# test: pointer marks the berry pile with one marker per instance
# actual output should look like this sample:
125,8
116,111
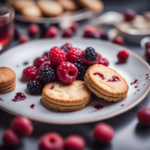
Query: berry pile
65,64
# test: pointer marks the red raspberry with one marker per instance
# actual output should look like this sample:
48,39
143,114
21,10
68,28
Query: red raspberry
118,40
29,73
129,15
67,72
74,26
52,32
66,47
147,45
38,61
88,30
23,39
103,61
46,63
123,56
56,56
67,33
10,138
37,78
33,30
74,54
147,53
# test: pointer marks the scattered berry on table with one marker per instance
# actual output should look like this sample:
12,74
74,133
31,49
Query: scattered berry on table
66,47
73,54
46,63
147,45
143,115
67,33
93,36
10,138
103,35
118,40
67,72
56,56
123,56
38,61
74,142
89,56
81,69
147,53
33,30
51,141
23,39
43,29
35,87
47,74
52,32
103,61
17,33
22,126
74,26
129,14
103,133
29,73
88,30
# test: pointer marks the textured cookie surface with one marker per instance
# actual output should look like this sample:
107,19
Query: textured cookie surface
9,89
50,8
7,76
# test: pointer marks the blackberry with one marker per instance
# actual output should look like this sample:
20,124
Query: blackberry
81,69
90,54
35,87
47,74
104,37
65,48
93,36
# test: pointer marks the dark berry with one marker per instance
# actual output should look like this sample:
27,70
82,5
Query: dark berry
93,36
56,56
90,54
123,56
52,32
118,40
35,87
81,69
17,33
47,74
66,47
67,33
23,39
103,61
74,26
88,30
67,72
29,73
147,53
33,30
46,63
103,35
43,29
129,15
147,45
73,54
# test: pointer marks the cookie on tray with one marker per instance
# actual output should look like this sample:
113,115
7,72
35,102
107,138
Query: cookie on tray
60,97
95,5
7,80
106,83
50,8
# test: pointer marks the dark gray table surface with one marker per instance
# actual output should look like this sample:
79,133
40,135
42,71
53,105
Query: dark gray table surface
129,134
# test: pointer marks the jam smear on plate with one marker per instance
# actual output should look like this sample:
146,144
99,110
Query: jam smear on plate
1,99
98,107
32,106
19,97
136,80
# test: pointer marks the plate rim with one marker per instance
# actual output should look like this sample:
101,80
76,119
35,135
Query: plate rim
91,120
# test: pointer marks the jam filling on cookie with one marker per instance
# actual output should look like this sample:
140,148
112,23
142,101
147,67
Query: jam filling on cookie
52,87
113,79
19,97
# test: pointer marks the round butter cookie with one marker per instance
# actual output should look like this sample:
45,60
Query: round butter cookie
106,83
60,97
95,5
50,7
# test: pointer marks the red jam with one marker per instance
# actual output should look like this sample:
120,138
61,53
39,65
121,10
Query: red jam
52,87
114,79
136,80
1,99
147,74
32,106
19,97
136,87
98,107
138,90
25,63
100,75
122,105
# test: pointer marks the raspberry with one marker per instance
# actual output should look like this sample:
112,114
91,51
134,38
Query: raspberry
23,39
29,73
74,26
73,54
38,61
81,69
118,40
89,56
129,15
56,56
43,29
66,47
147,53
123,56
47,74
67,72
52,32
67,33
37,78
35,87
147,45
103,35
88,30
103,61
33,30
46,63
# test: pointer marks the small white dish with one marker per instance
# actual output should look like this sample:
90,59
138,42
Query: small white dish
134,68
143,42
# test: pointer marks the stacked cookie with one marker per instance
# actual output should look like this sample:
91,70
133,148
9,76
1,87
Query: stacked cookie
60,97
7,80
106,83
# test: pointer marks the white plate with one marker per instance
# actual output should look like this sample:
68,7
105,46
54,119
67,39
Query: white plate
135,68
